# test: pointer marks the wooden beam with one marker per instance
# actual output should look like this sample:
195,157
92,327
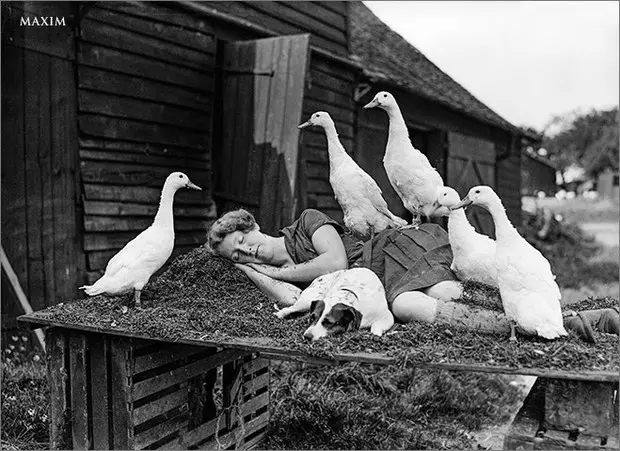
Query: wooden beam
21,296
267,348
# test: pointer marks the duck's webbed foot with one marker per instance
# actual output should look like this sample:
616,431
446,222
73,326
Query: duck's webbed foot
415,223
513,333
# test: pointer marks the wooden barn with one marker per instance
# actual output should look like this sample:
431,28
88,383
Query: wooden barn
537,174
101,100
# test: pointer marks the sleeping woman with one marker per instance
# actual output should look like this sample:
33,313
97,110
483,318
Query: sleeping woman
413,264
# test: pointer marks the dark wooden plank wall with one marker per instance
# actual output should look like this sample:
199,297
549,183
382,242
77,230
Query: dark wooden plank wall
536,176
508,183
145,79
330,89
327,21
40,230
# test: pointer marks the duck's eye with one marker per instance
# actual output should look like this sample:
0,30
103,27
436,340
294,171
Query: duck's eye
384,95
180,176
477,191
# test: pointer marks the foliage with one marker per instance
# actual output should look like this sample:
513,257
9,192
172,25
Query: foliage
588,140
24,395
571,253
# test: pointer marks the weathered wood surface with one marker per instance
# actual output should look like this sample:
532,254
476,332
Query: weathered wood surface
471,162
564,414
58,378
583,406
55,40
279,18
145,76
39,202
263,85
266,348
113,392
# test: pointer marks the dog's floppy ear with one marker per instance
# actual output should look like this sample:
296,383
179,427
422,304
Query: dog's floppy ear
346,316
316,310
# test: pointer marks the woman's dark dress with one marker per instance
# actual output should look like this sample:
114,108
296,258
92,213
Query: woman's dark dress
406,260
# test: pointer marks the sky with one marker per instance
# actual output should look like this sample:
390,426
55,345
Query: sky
527,61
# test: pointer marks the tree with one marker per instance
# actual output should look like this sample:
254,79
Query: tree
587,140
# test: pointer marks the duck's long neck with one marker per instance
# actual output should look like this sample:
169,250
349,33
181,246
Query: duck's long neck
503,227
336,151
397,130
164,217
459,229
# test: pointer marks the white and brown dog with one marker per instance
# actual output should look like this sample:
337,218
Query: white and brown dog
342,301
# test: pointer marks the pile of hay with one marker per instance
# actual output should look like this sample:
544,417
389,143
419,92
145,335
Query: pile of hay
206,298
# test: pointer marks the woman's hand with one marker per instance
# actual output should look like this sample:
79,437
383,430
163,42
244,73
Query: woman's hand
283,293
245,268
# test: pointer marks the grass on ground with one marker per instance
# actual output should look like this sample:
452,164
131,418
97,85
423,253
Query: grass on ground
364,407
24,396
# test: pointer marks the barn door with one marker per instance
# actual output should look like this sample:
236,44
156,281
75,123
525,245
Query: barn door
471,162
262,88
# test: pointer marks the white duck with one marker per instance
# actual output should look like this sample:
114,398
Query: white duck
413,178
132,267
473,253
529,293
365,210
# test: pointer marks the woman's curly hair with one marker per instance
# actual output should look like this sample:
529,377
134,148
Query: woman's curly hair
230,222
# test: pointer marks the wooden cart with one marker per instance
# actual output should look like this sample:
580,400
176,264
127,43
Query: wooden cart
117,390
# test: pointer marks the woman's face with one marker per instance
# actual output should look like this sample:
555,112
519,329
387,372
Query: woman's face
246,247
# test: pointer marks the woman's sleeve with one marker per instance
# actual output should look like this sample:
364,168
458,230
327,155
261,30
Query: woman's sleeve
311,220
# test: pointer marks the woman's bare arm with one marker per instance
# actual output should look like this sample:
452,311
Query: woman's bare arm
283,293
332,257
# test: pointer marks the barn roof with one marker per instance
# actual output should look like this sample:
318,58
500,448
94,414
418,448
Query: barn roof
388,57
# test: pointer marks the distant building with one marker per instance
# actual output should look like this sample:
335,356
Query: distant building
607,184
537,172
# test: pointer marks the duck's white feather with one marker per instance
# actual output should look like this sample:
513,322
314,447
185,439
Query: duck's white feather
527,286
132,267
413,179
529,292
410,173
473,253
364,208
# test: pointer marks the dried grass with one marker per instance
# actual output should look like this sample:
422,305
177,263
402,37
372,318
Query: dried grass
206,297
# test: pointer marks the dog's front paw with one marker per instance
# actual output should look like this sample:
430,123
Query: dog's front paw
280,313
377,329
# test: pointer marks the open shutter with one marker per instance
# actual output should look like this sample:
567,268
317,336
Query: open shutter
471,162
262,95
